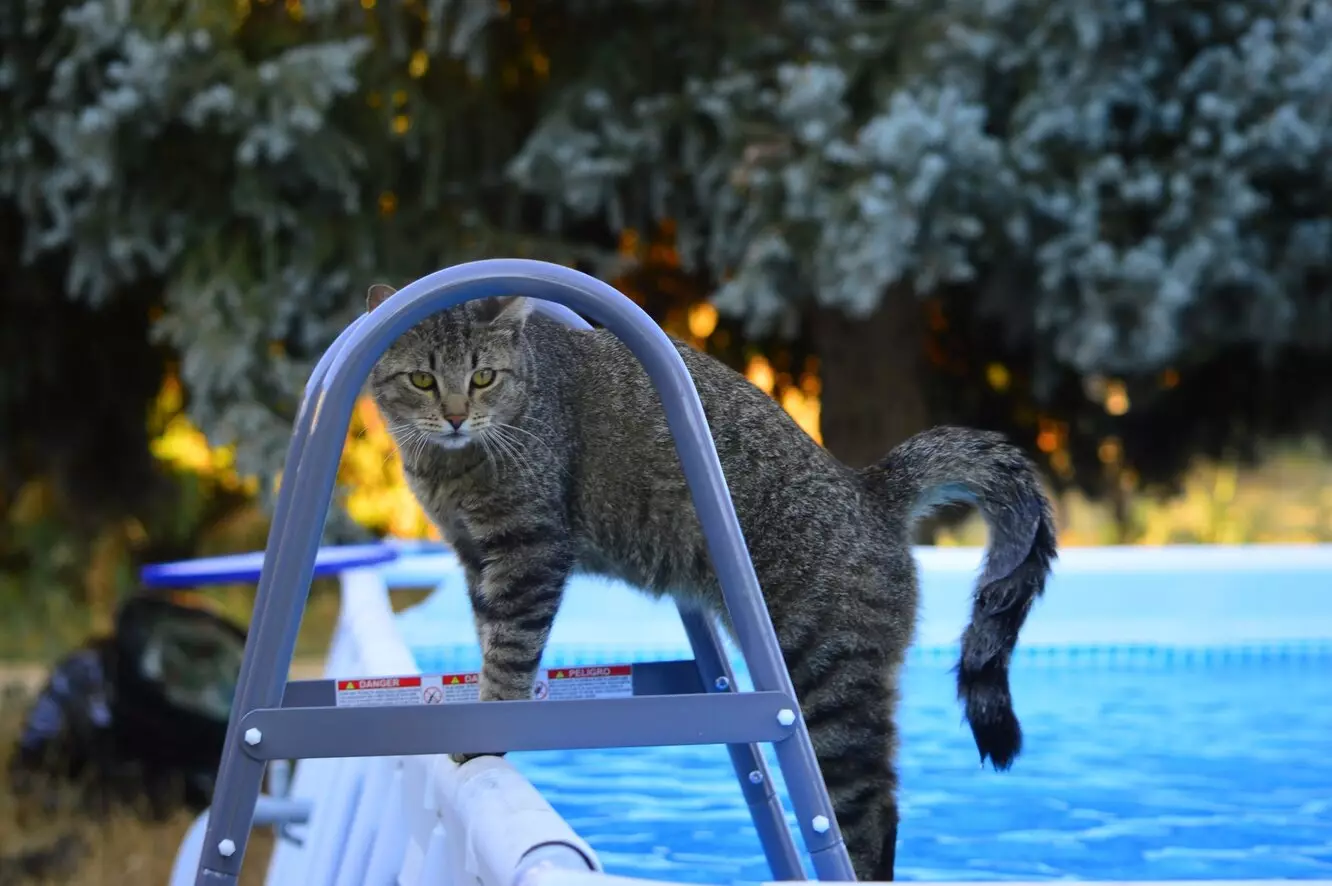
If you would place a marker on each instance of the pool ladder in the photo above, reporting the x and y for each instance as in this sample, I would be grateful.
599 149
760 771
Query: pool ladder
274 720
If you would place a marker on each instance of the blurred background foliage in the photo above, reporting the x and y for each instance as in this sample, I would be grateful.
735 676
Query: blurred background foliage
1104 231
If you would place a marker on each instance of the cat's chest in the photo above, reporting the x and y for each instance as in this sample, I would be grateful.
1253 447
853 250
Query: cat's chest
449 500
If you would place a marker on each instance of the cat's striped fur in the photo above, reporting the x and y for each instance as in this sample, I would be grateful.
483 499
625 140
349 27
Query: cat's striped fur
564 462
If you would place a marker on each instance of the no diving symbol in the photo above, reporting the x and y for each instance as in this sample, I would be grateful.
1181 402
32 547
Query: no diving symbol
432 695
540 690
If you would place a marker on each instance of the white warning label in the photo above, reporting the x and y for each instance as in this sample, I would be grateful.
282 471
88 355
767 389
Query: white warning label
379 691
559 684
460 687
607 681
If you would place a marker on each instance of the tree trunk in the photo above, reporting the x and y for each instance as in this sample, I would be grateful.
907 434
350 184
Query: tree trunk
871 369
873 373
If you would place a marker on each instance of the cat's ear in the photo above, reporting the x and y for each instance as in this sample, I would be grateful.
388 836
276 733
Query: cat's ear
374 297
509 311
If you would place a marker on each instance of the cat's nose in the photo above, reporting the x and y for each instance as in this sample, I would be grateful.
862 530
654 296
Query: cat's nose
455 409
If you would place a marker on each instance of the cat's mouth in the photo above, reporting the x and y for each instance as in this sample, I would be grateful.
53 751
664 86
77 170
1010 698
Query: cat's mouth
452 439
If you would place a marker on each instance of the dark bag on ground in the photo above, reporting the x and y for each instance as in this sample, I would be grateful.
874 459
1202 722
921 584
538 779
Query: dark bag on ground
140 715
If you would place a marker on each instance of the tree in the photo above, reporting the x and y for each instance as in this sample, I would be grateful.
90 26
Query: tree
1036 202
1068 210
231 177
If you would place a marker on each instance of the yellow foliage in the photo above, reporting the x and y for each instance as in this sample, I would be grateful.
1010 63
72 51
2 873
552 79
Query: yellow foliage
183 446
1282 501
760 372
1287 499
33 502
702 319
805 409
378 498
419 64
996 374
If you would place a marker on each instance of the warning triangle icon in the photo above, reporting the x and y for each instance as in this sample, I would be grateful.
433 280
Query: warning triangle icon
349 685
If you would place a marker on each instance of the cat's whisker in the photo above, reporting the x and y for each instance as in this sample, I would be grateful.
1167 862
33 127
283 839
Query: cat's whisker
508 428
517 453
495 432
388 456
421 445
485 448
412 445
486 441
504 446
529 417
395 449
406 436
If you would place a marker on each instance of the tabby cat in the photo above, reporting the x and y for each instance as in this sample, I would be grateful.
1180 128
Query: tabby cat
539 450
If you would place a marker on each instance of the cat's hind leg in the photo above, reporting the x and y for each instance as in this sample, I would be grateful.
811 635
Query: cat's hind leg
845 660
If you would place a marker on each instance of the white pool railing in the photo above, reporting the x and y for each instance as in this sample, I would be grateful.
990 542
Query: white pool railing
405 821
423 821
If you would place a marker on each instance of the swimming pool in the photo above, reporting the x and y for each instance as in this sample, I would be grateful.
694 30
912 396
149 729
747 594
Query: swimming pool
1178 727
1208 773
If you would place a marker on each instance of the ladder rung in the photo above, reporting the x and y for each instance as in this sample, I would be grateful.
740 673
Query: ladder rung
481 727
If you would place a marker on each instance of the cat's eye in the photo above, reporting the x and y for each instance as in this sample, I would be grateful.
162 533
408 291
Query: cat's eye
421 380
483 378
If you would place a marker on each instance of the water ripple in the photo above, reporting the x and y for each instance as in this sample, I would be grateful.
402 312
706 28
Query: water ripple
1210 773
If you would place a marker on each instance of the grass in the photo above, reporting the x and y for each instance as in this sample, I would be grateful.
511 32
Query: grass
113 850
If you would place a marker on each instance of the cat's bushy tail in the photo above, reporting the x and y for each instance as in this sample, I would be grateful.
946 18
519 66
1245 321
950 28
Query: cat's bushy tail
949 464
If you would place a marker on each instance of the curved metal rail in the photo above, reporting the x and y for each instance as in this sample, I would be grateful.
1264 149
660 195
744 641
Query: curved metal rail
269 721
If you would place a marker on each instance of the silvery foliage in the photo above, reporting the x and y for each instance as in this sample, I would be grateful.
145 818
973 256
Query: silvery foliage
1121 184
159 154
1174 187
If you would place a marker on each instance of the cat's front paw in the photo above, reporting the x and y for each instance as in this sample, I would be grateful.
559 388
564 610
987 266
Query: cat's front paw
463 758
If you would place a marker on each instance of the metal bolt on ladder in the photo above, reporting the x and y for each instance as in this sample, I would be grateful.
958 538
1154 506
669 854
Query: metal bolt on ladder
688 704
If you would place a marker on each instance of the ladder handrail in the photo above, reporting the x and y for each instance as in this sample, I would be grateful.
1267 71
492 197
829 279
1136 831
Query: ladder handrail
367 342
251 669
310 473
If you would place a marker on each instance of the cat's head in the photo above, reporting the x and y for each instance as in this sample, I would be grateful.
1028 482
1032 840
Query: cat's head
457 376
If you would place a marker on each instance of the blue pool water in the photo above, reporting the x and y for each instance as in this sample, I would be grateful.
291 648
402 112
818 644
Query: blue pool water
1219 771
1177 704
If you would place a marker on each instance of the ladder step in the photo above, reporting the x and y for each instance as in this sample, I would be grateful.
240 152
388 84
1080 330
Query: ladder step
482 727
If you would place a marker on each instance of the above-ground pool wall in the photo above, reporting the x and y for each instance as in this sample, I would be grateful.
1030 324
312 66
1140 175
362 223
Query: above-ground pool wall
1098 599
1195 596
